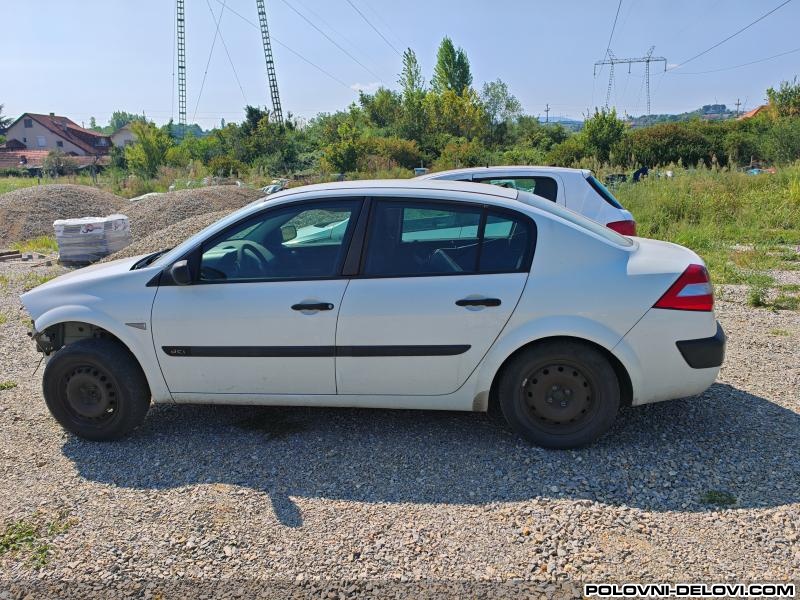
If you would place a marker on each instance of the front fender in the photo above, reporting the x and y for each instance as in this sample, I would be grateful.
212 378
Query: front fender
138 341
548 327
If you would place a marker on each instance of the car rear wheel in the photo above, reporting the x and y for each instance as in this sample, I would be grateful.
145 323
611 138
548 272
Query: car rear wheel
559 394
95 389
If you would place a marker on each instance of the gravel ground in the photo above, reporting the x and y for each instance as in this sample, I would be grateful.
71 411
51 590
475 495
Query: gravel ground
29 212
170 236
156 212
277 502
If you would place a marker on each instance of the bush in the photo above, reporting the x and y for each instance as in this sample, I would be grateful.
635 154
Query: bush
462 153
225 166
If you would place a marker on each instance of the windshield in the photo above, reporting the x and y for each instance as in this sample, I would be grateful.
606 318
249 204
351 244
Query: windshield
575 218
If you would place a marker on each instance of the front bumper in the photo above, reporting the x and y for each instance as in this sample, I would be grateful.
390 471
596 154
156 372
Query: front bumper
704 353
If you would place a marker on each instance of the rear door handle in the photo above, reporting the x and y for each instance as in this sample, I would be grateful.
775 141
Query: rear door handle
479 302
313 306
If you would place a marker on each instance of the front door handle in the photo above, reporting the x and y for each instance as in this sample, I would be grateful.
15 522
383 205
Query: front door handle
478 302
313 306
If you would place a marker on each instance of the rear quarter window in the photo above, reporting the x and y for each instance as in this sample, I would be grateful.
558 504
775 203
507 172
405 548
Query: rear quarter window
602 191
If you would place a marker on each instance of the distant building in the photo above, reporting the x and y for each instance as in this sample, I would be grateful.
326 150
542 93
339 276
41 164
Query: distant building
752 113
32 161
123 136
37 132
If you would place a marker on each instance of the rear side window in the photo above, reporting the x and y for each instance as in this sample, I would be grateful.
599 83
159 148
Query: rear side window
603 191
413 239
546 187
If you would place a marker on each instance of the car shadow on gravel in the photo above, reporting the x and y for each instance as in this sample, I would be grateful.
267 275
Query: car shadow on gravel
662 457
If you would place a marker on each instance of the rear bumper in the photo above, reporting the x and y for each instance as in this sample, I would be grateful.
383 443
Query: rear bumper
658 367
704 353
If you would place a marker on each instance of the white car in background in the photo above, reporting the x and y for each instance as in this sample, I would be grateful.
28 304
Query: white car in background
412 294
576 189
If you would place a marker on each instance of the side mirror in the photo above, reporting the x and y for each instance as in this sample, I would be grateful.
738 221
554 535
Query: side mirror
288 232
180 273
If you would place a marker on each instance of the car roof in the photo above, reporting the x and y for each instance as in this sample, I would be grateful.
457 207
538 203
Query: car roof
488 170
365 185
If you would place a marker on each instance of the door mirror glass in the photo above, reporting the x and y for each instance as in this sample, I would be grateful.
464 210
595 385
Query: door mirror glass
180 273
288 233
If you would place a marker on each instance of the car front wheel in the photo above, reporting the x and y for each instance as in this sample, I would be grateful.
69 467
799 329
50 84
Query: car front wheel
559 394
95 389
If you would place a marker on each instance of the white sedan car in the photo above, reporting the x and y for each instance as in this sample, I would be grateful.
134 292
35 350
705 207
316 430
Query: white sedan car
576 189
386 294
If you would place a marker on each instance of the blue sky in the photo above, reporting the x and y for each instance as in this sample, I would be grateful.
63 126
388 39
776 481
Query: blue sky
89 57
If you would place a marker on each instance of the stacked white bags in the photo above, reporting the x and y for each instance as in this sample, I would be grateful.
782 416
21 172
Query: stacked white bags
85 240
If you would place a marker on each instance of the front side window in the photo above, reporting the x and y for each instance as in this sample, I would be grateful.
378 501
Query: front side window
303 241
546 187
28 123
40 141
408 238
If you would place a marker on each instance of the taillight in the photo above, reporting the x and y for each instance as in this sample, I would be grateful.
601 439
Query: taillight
692 291
623 227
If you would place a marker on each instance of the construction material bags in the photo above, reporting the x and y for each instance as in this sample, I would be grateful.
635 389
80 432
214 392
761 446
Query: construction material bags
85 240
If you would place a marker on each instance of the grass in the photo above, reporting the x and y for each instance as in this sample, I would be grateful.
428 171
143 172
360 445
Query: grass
718 498
9 184
779 332
44 244
3 318
742 226
32 280
7 385
30 538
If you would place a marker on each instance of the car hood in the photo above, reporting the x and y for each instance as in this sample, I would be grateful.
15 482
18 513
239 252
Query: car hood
79 285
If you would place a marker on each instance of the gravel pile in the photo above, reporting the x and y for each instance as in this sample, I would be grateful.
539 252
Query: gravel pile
169 237
243 502
29 212
154 213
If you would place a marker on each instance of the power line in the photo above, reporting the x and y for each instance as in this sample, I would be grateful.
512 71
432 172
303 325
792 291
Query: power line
277 41
208 62
332 41
228 54
752 62
733 35
613 27
368 22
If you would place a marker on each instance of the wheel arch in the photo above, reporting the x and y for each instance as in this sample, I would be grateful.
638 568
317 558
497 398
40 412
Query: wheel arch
623 377
136 341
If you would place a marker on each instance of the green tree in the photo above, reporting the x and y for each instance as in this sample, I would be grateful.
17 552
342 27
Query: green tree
785 101
603 132
150 149
344 155
120 118
383 108
58 163
4 121
451 71
456 115
502 108
412 121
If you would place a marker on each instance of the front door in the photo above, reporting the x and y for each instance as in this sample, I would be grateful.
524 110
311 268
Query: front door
259 317
438 284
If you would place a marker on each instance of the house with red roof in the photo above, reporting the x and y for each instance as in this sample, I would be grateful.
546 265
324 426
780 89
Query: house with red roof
37 132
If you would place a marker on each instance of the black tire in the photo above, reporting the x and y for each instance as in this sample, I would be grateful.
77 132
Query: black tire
559 394
96 389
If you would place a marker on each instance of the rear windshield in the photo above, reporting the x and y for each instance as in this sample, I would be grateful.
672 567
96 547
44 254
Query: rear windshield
576 219
603 191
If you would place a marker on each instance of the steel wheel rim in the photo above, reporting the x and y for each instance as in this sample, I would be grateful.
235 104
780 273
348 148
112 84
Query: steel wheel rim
90 395
559 397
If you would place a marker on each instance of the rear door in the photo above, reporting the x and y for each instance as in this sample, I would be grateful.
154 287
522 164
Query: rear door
438 282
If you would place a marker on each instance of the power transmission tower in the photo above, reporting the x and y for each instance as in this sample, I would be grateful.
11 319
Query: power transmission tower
277 112
547 113
181 30
613 60
738 104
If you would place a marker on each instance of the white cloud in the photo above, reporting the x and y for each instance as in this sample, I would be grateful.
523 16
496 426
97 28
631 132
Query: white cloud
365 87
671 66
